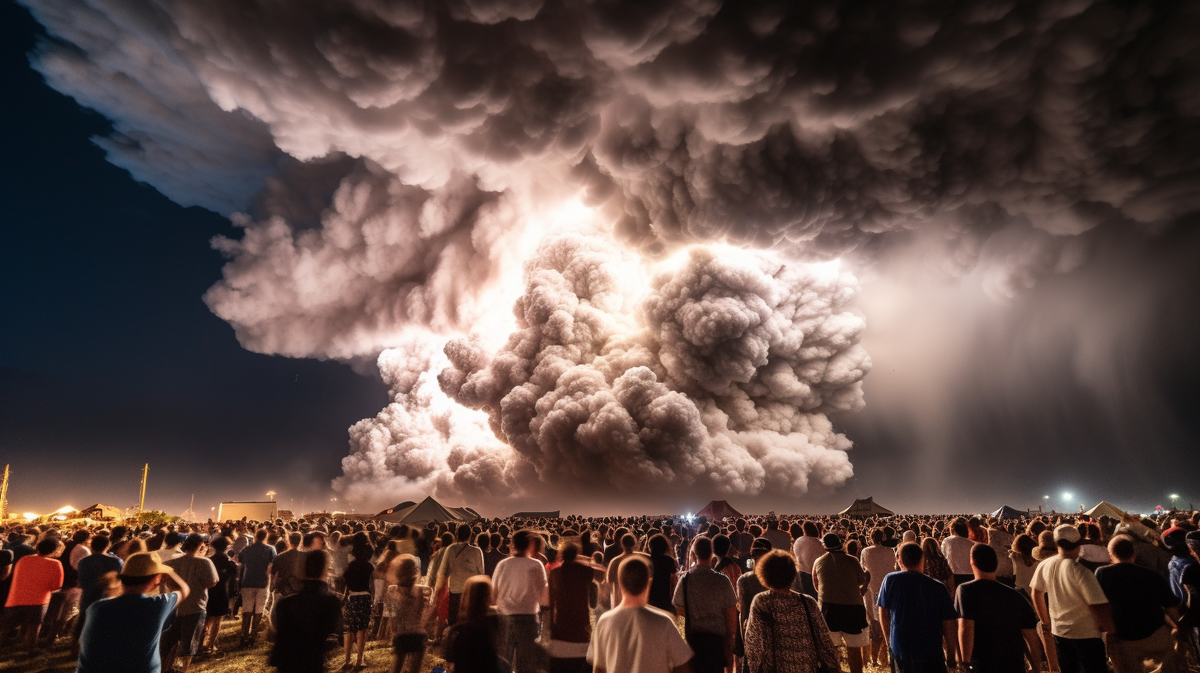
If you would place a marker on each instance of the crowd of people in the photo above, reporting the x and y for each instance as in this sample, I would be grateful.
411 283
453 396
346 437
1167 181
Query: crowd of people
786 594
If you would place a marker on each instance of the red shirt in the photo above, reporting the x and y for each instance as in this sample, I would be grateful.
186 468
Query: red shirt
34 579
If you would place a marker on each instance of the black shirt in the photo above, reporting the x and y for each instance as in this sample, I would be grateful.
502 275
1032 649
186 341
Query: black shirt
1137 596
471 647
999 613
660 586
358 575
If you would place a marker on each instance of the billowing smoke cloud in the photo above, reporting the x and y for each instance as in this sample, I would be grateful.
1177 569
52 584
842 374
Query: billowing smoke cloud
392 165
718 375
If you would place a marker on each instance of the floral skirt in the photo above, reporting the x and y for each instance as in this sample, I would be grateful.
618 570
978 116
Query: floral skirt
357 613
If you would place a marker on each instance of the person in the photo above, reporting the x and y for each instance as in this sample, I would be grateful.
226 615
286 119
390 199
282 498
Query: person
61 611
917 616
995 622
122 633
458 562
472 643
356 613
521 587
706 600
1078 612
492 554
218 596
625 543
93 569
256 560
183 637
34 578
741 542
782 633
665 572
568 619
779 538
170 547
1000 540
287 570
723 561
408 629
1141 602
840 582
634 637
807 549
1024 565
957 550
305 620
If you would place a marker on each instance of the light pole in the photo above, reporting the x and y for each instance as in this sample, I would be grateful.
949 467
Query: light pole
270 495
1174 497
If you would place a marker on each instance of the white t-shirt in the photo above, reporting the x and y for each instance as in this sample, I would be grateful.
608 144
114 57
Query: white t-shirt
1071 588
1094 553
957 550
77 554
637 640
519 584
807 550
1001 541
879 561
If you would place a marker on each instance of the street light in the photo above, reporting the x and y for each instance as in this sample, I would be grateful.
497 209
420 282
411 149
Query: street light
1067 495
270 495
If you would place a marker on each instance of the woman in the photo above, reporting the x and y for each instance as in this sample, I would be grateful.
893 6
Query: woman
356 615
441 600
784 633
407 601
471 642
1023 562
1046 547
379 582
936 565
665 573
218 596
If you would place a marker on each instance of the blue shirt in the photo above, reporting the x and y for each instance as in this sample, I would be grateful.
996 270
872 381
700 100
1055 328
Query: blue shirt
255 560
121 634
91 569
918 606
1178 565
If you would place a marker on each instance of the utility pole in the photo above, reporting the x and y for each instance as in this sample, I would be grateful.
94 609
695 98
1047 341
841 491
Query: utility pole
4 496
142 498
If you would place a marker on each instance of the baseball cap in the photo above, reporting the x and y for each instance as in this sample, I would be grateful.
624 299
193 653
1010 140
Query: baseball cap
831 541
143 564
760 543
1066 533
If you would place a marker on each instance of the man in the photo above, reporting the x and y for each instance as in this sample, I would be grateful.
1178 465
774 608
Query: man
840 582
34 578
187 630
634 637
807 549
627 542
305 620
995 622
256 560
492 555
287 571
520 588
458 563
92 570
957 550
1141 600
779 539
170 549
878 561
741 539
1079 612
917 615
122 633
706 600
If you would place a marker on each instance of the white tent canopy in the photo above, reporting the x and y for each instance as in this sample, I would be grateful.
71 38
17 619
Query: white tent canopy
425 511
1106 508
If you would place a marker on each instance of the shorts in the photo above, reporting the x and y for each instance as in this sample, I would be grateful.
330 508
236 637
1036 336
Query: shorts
860 639
848 619
253 600
24 616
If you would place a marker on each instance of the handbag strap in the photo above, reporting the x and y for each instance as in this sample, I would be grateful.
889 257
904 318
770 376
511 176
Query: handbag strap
816 644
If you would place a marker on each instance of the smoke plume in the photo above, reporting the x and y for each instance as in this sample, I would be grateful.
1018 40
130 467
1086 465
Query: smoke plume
403 172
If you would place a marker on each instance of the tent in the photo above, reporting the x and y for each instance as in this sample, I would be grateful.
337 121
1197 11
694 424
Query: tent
1007 512
466 513
1105 508
99 511
865 507
717 510
425 511
404 505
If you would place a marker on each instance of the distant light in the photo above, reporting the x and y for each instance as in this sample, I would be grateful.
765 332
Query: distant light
1067 495
1174 496
1045 497
30 516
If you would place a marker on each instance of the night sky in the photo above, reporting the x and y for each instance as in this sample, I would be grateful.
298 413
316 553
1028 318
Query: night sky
1019 351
